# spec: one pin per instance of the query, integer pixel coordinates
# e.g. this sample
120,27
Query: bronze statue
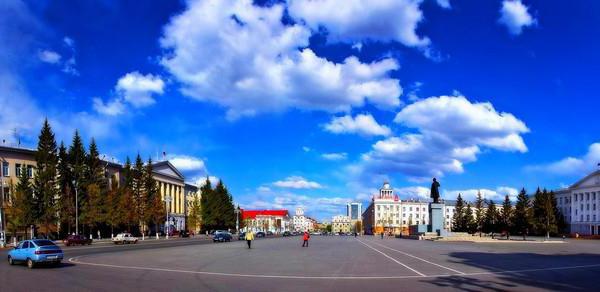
435,193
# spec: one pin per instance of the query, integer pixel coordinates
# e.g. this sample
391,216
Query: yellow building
341,223
171,186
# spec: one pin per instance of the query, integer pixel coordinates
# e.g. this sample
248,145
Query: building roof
251,214
17,150
156,165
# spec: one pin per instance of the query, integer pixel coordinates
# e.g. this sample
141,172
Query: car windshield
43,242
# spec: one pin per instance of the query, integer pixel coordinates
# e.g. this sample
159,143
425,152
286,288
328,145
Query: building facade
171,186
276,221
580,205
301,222
191,193
341,224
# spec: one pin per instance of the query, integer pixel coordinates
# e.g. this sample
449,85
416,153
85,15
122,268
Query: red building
276,221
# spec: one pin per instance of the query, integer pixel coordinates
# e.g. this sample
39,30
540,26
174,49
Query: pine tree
224,205
479,213
544,213
22,209
492,218
127,213
156,212
458,218
92,205
522,215
561,224
66,202
138,192
207,203
95,168
44,183
506,216
470,224
77,163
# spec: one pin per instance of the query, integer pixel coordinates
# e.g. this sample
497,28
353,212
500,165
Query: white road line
76,261
391,258
418,258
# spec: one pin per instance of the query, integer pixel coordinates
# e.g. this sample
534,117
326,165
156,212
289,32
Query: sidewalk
109,241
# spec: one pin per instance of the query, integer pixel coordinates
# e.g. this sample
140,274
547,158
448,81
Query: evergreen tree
522,215
77,163
112,204
66,202
561,224
207,203
544,213
492,219
92,205
138,191
506,216
224,205
470,224
479,213
22,209
95,168
458,219
127,212
44,183
156,212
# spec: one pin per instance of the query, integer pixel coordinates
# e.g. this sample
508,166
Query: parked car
77,240
242,236
124,238
184,233
37,251
287,233
222,237
260,234
269,233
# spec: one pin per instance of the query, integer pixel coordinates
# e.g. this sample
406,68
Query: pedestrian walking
306,237
249,238
381,234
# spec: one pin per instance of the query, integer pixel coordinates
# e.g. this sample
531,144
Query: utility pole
237,219
167,227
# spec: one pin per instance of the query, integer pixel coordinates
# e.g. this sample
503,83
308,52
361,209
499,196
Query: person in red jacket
306,237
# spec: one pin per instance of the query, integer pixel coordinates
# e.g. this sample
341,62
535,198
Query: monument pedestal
436,219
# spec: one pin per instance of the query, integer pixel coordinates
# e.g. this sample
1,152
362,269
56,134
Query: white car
124,238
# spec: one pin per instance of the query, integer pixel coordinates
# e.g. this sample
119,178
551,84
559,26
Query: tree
544,213
522,215
561,224
44,183
138,191
492,219
23,212
77,159
92,210
207,203
126,213
112,202
195,214
470,224
66,201
225,216
156,212
328,228
94,168
506,216
358,226
479,213
94,181
458,219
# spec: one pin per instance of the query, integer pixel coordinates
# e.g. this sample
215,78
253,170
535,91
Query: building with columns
580,205
171,185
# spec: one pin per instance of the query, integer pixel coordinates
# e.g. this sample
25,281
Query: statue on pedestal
435,193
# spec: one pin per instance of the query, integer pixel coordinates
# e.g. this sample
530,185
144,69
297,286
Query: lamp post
76,208
237,219
167,227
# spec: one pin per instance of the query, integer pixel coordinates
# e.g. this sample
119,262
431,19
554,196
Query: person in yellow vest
249,238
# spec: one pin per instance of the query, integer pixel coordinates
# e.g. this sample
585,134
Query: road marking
77,261
391,258
418,258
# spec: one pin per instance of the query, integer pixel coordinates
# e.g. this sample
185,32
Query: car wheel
10,261
123,242
135,242
67,244
57,263
30,264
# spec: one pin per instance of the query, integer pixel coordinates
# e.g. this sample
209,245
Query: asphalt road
328,264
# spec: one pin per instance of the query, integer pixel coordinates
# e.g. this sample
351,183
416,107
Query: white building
580,204
302,223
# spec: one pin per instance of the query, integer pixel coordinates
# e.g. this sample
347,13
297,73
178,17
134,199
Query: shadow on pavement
511,272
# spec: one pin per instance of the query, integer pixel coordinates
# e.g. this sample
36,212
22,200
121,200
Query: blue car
36,251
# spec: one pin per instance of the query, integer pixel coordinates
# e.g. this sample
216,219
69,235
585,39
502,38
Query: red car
77,239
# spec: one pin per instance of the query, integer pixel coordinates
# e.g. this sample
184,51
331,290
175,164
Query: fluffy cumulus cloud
362,124
49,56
470,195
137,89
297,182
335,156
323,208
444,4
112,108
244,58
356,20
187,163
571,165
450,131
515,16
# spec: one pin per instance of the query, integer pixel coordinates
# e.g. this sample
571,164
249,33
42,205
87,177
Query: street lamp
167,201
237,219
76,208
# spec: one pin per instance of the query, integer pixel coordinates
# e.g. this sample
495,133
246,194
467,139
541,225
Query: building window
560,201
594,217
594,207
18,170
30,171
403,221
404,215
410,209
5,169
587,196
404,209
588,218
593,195
581,218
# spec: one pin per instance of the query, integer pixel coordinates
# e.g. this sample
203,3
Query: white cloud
69,42
137,89
514,15
416,192
297,182
470,195
187,163
571,165
112,108
200,181
305,149
50,57
245,59
451,132
362,124
335,156
263,189
444,4
355,20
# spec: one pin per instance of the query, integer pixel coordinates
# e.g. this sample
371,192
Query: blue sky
315,103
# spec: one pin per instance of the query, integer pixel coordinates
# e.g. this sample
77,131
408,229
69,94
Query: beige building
171,186
191,193
341,223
